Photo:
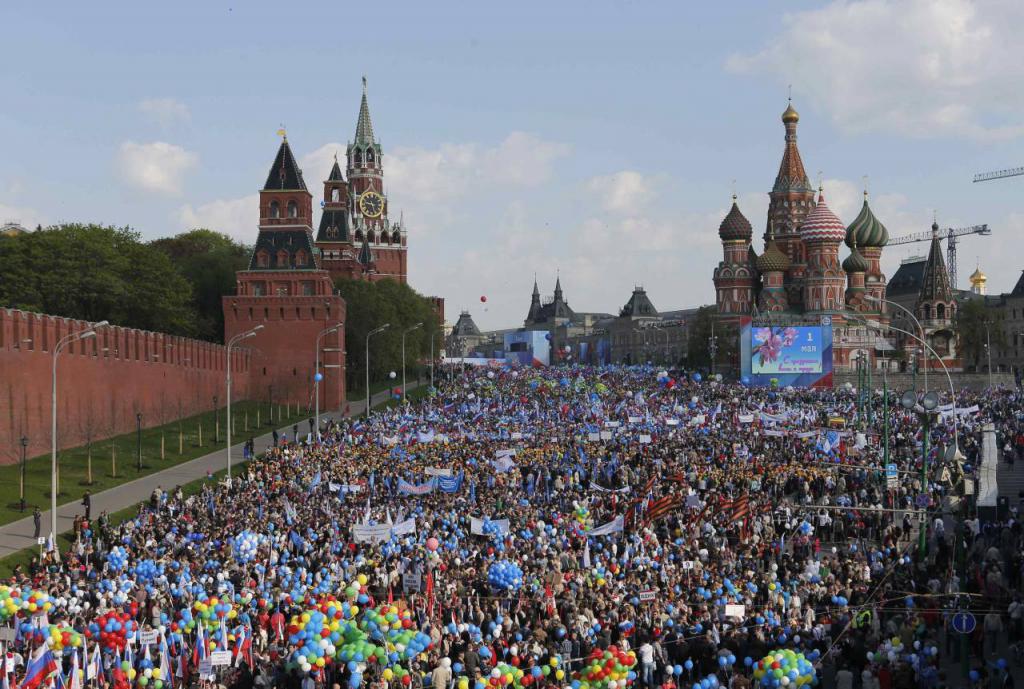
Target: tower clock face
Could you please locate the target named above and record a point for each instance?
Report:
(371, 204)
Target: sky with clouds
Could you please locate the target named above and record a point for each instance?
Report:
(599, 140)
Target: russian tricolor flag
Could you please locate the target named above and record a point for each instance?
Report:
(39, 669)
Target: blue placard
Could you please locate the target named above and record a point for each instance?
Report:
(963, 622)
(891, 471)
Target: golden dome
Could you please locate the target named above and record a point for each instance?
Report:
(978, 277)
(790, 115)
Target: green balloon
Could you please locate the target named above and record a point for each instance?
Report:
(159, 684)
(143, 680)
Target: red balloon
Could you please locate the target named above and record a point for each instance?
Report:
(483, 300)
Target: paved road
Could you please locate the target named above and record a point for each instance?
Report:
(18, 535)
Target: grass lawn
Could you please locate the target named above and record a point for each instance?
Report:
(113, 461)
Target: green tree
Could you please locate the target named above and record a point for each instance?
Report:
(372, 304)
(95, 272)
(698, 352)
(209, 261)
(976, 325)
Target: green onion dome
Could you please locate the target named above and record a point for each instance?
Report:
(866, 231)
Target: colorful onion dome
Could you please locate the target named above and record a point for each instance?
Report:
(822, 225)
(735, 226)
(855, 262)
(866, 231)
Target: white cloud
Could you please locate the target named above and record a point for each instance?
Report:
(155, 167)
(919, 67)
(165, 111)
(623, 192)
(237, 218)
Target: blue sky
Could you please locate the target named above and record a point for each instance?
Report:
(600, 139)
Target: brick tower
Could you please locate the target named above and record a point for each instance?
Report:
(824, 280)
(790, 200)
(735, 275)
(356, 213)
(286, 290)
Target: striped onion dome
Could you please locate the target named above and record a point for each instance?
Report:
(855, 262)
(822, 225)
(735, 226)
(866, 231)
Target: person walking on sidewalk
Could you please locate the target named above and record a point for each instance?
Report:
(36, 520)
(87, 505)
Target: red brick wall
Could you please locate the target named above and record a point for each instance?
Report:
(102, 382)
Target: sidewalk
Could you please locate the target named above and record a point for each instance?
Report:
(18, 535)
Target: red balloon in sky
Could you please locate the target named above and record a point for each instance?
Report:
(483, 299)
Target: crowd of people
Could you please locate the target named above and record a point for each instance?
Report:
(562, 527)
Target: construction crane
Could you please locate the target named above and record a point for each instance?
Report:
(998, 174)
(951, 235)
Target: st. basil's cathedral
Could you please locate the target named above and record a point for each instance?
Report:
(799, 278)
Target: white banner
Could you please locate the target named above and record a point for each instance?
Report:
(645, 439)
(602, 489)
(988, 486)
(746, 418)
(476, 526)
(697, 420)
(437, 471)
(614, 526)
(363, 533)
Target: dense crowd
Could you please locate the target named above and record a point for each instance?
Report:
(564, 527)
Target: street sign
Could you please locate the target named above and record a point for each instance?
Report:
(963, 622)
(892, 476)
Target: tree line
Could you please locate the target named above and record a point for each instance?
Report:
(174, 285)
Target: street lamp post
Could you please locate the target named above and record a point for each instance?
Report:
(432, 338)
(24, 460)
(317, 376)
(61, 343)
(924, 409)
(920, 328)
(138, 436)
(227, 381)
(988, 351)
(216, 419)
(713, 347)
(369, 397)
(875, 325)
(404, 333)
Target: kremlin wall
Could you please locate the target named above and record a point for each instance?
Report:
(102, 382)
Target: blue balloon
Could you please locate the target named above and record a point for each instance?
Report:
(318, 377)
(688, 664)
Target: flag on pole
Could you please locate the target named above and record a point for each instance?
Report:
(75, 682)
(39, 669)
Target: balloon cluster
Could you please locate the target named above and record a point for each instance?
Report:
(609, 668)
(13, 600)
(59, 637)
(505, 575)
(112, 629)
(117, 558)
(245, 545)
(784, 668)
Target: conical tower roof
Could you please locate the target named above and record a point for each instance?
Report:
(284, 173)
(792, 176)
(935, 282)
(336, 175)
(364, 127)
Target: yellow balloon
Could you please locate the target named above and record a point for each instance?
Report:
(131, 673)
(320, 662)
(157, 672)
(362, 579)
(387, 674)
(559, 675)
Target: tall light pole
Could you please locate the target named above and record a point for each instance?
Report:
(227, 353)
(432, 338)
(713, 347)
(317, 376)
(875, 325)
(924, 409)
(920, 328)
(404, 333)
(24, 459)
(988, 350)
(61, 343)
(369, 397)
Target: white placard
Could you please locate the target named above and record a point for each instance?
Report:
(148, 637)
(412, 583)
(218, 658)
(606, 435)
(437, 471)
(593, 437)
(636, 419)
(517, 435)
(645, 439)
(687, 564)
(737, 611)
(7, 634)
(206, 668)
(646, 596)
(612, 424)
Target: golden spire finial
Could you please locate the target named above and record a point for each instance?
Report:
(281, 132)
(865, 178)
